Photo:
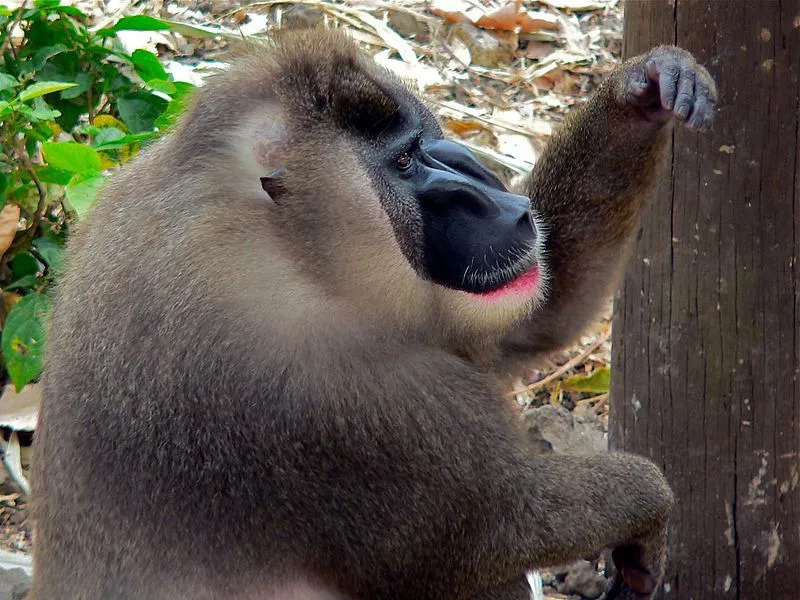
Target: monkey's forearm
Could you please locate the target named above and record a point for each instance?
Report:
(587, 188)
(628, 499)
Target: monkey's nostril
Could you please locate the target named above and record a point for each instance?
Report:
(525, 223)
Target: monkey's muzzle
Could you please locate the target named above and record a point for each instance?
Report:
(478, 235)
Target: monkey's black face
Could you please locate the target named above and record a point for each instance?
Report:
(456, 223)
(477, 236)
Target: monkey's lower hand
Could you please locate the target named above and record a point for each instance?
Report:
(667, 82)
(640, 567)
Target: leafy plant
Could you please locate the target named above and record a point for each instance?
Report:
(73, 105)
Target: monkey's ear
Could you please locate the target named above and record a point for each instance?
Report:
(269, 149)
(272, 184)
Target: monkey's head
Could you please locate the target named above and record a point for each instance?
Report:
(369, 202)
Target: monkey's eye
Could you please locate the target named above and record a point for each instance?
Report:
(404, 161)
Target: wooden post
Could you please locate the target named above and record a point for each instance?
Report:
(706, 353)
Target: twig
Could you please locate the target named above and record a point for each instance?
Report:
(476, 114)
(600, 398)
(565, 367)
(22, 154)
(518, 166)
(390, 37)
(17, 19)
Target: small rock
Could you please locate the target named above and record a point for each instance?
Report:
(300, 16)
(548, 578)
(488, 49)
(14, 584)
(584, 580)
(584, 415)
(554, 429)
(409, 26)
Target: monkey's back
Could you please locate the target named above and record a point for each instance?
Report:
(138, 359)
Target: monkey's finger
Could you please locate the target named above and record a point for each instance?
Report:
(703, 111)
(665, 72)
(639, 89)
(684, 103)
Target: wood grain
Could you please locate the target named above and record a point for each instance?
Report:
(706, 346)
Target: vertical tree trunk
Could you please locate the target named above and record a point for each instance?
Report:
(706, 353)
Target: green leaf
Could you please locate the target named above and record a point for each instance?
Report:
(51, 253)
(7, 82)
(116, 81)
(42, 55)
(597, 382)
(70, 10)
(107, 134)
(48, 174)
(73, 157)
(82, 192)
(147, 66)
(140, 110)
(24, 339)
(24, 283)
(25, 263)
(162, 85)
(136, 23)
(174, 110)
(82, 83)
(201, 31)
(182, 89)
(42, 88)
(40, 111)
(44, 130)
(3, 184)
(127, 140)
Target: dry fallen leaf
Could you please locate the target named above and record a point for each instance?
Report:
(536, 21)
(9, 219)
(577, 5)
(509, 17)
(456, 11)
(9, 300)
(464, 126)
(460, 52)
(503, 18)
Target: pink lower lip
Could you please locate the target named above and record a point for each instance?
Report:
(523, 286)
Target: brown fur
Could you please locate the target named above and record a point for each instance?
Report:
(265, 401)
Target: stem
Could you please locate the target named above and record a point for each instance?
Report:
(89, 97)
(22, 154)
(17, 19)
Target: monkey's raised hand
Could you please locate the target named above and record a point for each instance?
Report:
(667, 82)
